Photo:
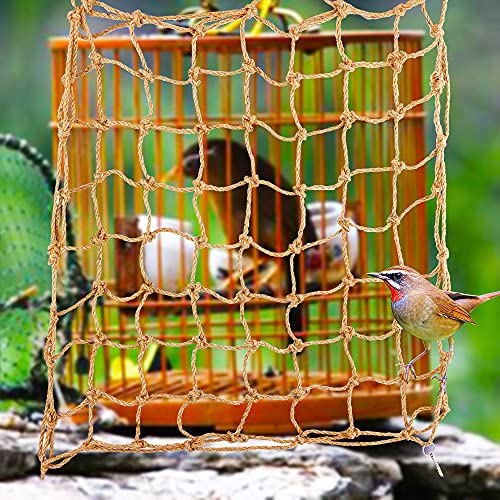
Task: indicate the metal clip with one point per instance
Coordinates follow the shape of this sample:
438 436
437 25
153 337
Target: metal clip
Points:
428 451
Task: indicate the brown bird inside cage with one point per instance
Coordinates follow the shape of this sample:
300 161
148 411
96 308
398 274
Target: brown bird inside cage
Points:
274 226
261 274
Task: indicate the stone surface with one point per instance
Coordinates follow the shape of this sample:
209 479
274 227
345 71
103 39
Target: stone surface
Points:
471 465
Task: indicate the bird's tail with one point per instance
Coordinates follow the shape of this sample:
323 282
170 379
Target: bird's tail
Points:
470 302
487 296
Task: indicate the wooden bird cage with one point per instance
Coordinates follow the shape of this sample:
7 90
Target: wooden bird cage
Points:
168 370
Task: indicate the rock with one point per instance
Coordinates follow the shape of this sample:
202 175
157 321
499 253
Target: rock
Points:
16 459
471 465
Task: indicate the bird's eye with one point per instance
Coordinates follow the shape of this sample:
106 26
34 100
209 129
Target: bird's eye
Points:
398 276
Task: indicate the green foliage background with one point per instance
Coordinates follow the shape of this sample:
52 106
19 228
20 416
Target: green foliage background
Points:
473 156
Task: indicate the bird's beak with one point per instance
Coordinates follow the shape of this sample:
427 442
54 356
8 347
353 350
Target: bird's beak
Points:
376 275
171 174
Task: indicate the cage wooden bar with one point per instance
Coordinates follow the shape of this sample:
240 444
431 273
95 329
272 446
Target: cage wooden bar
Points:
319 105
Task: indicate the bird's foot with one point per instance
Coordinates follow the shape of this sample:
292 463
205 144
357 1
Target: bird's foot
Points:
408 369
442 383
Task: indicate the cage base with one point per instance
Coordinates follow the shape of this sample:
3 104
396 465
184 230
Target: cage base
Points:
319 410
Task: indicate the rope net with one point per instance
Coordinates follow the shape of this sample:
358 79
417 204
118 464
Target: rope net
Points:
337 11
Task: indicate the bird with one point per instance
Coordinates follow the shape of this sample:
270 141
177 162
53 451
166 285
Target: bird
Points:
425 311
228 162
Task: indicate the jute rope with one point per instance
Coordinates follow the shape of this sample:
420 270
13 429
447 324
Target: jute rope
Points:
338 10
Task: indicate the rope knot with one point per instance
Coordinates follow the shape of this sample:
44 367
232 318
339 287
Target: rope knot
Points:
394 220
301 439
147 287
398 166
300 190
437 82
148 236
191 445
149 183
343 9
251 11
298 345
87 7
92 395
441 141
344 223
139 444
51 417
294 32
252 345
396 60
397 114
243 296
144 340
248 121
443 358
348 280
249 66
99 177
406 434
348 118
295 246
201 241
346 332
301 134
245 241
147 75
101 237
194 75
66 80
102 124
101 338
99 287
202 128
353 433
400 10
436 190
198 30
354 381
142 400
436 31
194 395
145 125
294 299
242 438
345 176
138 18
194 290
347 66
62 197
293 79
55 250
96 58
64 131
199 186
253 181
231 437
252 395
75 16
201 342
443 254
298 393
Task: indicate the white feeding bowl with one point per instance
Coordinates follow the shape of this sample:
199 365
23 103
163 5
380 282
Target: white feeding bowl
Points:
324 216
168 254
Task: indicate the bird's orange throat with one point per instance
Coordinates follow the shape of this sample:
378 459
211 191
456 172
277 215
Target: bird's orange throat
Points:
396 294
